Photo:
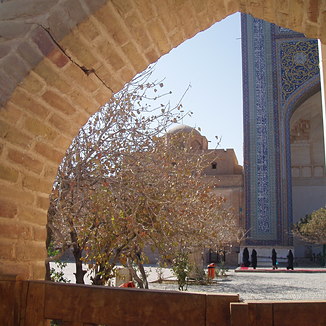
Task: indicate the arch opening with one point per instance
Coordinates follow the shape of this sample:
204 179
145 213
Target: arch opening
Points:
57 71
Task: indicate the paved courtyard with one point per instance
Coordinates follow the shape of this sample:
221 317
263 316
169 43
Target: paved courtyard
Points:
250 286
265 286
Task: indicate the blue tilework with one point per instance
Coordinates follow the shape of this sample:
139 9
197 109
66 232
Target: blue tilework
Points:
278 64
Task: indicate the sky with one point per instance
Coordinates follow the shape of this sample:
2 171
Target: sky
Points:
211 63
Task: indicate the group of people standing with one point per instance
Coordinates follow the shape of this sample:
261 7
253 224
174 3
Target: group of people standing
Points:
245 258
253 262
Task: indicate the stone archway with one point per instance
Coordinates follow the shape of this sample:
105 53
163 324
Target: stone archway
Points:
61 60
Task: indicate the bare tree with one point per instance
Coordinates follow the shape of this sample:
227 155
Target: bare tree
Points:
123 186
127 123
157 199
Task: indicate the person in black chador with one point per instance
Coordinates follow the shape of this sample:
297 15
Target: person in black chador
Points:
290 260
245 257
254 258
274 259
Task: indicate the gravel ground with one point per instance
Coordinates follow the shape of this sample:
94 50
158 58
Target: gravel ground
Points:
250 286
265 286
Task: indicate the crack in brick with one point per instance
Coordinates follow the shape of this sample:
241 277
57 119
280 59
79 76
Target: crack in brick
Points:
86 70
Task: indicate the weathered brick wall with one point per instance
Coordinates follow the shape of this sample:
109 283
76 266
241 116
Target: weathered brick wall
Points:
59 61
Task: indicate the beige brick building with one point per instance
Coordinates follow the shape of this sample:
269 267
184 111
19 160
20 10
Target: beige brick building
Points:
225 176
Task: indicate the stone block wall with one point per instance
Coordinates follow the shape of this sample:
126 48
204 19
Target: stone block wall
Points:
285 313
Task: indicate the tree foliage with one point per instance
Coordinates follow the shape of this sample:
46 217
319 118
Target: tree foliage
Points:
181 268
312 227
122 187
158 199
56 273
127 123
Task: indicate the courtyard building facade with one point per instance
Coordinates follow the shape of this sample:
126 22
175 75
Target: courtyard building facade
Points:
284 156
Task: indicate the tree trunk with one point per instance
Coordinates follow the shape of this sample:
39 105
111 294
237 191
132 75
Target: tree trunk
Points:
134 274
77 252
80 273
143 274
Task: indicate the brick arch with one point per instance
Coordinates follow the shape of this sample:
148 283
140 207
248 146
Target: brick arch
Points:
59 61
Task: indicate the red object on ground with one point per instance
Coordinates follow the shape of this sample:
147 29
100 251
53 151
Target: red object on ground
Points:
211 270
130 284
